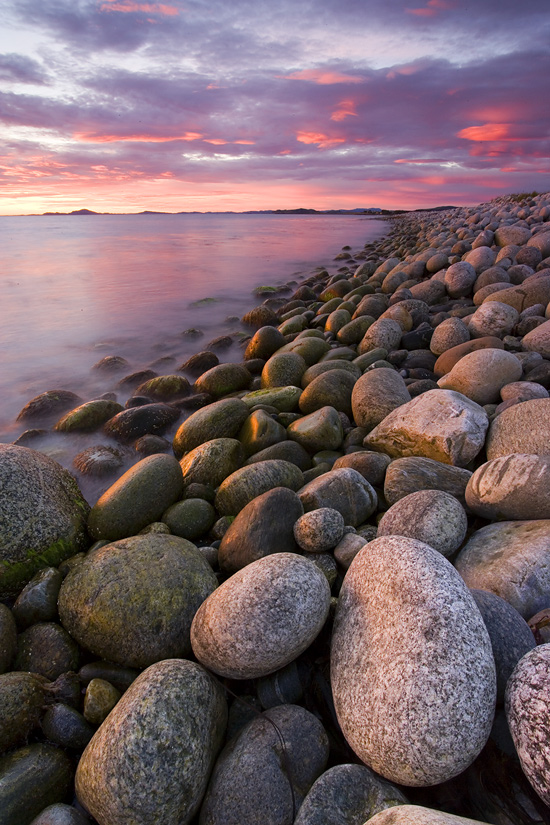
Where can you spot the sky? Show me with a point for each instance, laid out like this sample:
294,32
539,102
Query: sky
231,105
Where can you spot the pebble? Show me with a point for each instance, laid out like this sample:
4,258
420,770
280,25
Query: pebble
319,530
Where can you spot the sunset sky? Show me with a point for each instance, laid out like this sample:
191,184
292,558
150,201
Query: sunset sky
120,106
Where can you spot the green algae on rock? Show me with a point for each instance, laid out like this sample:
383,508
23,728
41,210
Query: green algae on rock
42,516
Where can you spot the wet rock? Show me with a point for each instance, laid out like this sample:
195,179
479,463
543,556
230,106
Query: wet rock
222,419
263,527
165,388
49,404
21,706
238,489
439,424
152,757
8,638
151,445
98,461
344,490
349,794
47,649
37,602
260,430
200,362
283,369
264,343
259,317
60,814
285,450
431,516
190,519
135,378
133,601
99,700
137,498
264,773
319,430
32,778
262,617
331,388
88,417
408,730
131,424
66,727
375,395
42,516
511,636
311,349
284,399
528,715
511,559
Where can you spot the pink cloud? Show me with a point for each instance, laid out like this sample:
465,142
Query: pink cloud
432,8
143,138
323,77
346,109
127,6
322,141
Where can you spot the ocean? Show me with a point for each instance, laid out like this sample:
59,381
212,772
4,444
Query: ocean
74,289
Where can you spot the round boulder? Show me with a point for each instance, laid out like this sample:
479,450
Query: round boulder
481,375
376,394
151,759
42,516
515,486
431,516
245,484
522,428
344,490
133,601
429,724
262,617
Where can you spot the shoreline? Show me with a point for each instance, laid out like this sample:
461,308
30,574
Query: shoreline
366,449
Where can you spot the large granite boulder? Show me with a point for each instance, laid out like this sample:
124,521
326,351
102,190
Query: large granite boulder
523,428
403,609
42,516
151,759
439,424
515,486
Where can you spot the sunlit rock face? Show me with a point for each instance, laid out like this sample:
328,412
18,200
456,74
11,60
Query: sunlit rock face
440,424
412,670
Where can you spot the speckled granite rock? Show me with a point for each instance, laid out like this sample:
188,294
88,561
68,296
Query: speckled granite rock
418,815
42,516
347,795
133,601
431,516
511,559
515,487
408,729
238,489
262,617
264,526
151,759
319,530
481,375
376,394
137,498
439,424
528,715
251,782
523,428
511,637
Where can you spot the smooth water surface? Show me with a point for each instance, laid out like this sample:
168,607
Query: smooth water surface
76,288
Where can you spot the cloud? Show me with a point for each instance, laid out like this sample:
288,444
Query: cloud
18,68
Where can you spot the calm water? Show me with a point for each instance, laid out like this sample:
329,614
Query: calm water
74,289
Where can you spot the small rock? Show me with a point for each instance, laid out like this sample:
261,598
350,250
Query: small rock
319,530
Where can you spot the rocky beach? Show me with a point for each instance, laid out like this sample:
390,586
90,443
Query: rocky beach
315,588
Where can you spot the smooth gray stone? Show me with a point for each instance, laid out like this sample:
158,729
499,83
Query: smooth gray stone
133,601
42,516
523,428
37,602
212,461
137,498
376,394
430,723
347,795
60,814
263,527
511,559
151,758
439,424
514,487
344,490
46,648
150,419
528,715
510,635
431,516
263,774
262,617
418,815
407,475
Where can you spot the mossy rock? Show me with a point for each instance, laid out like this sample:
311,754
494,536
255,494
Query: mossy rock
49,404
32,778
137,498
133,601
223,379
190,519
88,417
42,516
150,419
311,349
259,431
211,462
285,399
165,388
222,419
320,430
245,484
21,706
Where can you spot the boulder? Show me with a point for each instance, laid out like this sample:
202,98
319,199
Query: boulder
211,462
522,428
413,473
245,484
222,419
418,815
376,394
429,724
344,490
42,516
431,516
481,375
513,487
262,617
